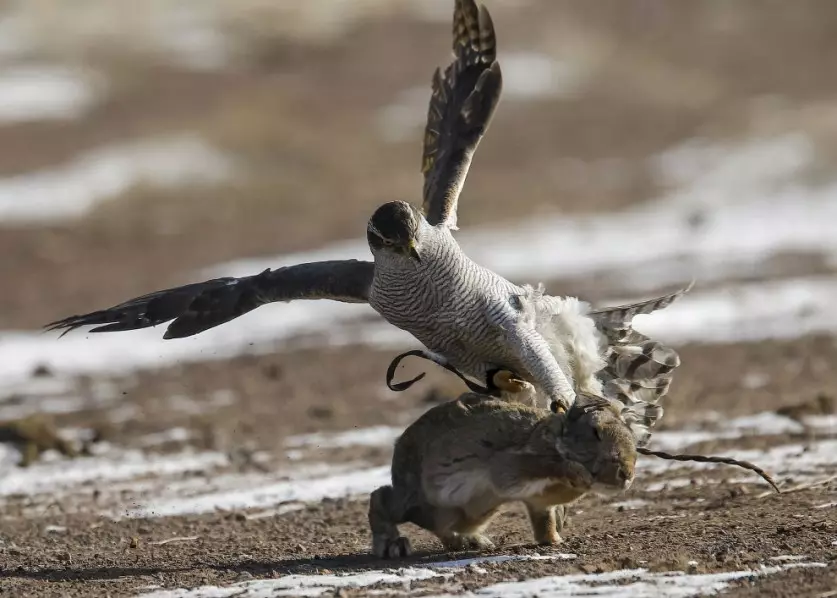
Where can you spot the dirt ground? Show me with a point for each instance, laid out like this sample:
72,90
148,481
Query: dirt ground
723,521
303,120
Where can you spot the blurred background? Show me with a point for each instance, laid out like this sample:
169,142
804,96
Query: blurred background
637,145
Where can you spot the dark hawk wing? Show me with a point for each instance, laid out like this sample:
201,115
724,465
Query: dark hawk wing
461,107
203,305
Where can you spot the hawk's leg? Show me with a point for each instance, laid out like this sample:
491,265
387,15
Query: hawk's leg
508,381
512,387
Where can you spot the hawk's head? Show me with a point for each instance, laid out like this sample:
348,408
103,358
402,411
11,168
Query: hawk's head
394,227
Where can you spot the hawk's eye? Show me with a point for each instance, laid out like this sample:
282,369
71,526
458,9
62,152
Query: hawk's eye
387,242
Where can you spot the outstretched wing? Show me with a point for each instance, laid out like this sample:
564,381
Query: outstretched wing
203,305
461,107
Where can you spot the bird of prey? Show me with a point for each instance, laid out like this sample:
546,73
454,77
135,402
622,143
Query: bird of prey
420,280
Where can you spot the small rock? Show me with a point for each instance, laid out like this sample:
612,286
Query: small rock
41,370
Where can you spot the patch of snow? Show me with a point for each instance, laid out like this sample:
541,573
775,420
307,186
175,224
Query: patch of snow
280,510
31,93
36,385
797,460
407,114
171,435
789,558
24,407
827,505
73,189
533,75
269,493
500,558
303,585
52,476
677,440
55,529
626,583
374,436
764,423
630,505
821,423
754,380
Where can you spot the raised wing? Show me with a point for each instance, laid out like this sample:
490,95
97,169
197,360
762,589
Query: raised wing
203,305
461,107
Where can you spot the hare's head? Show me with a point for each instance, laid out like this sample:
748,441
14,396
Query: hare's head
594,434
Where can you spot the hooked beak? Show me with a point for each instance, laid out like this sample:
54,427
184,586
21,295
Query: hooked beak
413,252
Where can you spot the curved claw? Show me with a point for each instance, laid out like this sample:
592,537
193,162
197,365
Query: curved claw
508,381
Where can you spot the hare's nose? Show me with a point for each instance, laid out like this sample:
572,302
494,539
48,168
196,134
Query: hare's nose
624,476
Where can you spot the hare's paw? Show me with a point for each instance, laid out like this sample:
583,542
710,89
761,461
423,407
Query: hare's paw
461,542
387,547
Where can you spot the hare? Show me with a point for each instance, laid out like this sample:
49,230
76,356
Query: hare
461,461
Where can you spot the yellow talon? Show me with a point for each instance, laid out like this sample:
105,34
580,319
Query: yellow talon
557,407
506,380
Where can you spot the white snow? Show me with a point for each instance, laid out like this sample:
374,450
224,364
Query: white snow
801,462
626,583
534,75
374,436
303,585
501,558
74,188
633,583
29,93
630,504
269,493
54,475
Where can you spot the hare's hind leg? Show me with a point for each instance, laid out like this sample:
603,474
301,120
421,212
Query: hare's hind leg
459,529
386,511
547,522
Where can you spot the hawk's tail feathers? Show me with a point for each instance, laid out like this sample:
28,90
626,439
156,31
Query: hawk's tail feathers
638,370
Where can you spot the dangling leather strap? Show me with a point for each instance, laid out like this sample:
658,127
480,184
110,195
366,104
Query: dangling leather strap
400,386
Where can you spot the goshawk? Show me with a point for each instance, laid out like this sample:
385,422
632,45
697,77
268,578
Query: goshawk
420,280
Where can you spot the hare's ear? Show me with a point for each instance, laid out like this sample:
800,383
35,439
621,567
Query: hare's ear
585,403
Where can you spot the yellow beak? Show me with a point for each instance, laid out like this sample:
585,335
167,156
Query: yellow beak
414,252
